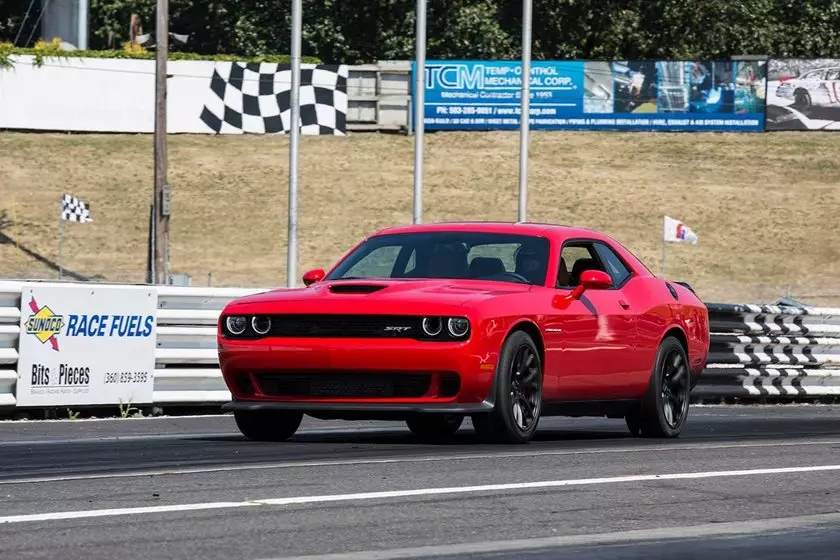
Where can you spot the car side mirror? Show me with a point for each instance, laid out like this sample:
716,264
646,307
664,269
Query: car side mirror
589,280
313,276
595,280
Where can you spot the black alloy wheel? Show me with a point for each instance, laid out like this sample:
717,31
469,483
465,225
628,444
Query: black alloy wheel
664,410
518,403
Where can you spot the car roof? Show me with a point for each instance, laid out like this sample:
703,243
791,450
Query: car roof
526,228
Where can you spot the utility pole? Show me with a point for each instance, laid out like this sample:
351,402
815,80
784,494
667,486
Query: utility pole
161,191
525,113
419,103
294,144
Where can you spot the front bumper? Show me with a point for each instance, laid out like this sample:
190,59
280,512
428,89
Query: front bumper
357,374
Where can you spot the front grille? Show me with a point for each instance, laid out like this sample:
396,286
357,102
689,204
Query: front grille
346,326
345,385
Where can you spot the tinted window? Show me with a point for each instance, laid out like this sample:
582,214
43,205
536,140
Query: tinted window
574,260
449,254
615,268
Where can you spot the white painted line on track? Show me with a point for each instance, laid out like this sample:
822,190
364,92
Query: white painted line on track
386,495
734,528
418,459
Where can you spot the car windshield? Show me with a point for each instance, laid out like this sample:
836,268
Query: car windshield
448,254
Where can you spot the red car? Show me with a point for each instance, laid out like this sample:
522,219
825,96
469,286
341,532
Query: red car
501,322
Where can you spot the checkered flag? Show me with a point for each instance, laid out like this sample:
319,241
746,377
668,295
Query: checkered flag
256,98
75,210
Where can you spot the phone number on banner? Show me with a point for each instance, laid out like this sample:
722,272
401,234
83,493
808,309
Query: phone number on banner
127,377
484,110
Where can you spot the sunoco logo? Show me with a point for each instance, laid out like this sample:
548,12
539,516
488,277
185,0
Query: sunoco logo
44,324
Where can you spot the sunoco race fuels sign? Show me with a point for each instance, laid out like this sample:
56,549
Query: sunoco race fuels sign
86,345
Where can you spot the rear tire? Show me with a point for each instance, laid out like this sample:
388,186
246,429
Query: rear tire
518,395
664,410
268,425
434,427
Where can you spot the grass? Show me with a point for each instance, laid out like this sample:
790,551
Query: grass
765,206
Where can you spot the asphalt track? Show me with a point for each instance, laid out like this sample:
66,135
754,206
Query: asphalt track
742,482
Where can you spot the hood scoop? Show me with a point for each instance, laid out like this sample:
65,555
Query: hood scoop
355,288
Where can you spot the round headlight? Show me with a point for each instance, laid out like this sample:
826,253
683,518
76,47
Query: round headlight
236,324
261,324
432,325
458,326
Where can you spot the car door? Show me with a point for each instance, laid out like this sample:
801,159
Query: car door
592,339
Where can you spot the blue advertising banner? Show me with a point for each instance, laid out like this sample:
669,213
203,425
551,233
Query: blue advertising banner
585,95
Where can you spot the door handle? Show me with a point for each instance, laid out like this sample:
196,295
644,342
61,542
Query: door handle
623,304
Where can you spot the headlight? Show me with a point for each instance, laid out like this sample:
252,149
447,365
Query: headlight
236,324
458,326
432,325
261,324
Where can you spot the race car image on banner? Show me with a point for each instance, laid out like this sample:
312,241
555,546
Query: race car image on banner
803,94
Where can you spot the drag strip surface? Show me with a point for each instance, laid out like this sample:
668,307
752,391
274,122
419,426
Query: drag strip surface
190,487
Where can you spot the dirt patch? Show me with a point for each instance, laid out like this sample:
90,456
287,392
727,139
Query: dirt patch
764,205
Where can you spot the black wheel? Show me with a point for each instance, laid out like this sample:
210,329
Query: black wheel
431,427
664,409
519,376
267,425
802,99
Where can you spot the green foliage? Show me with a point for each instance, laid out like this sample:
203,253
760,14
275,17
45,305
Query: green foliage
7,51
368,30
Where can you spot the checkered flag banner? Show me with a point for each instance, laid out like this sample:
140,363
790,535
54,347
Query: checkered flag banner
256,98
74,210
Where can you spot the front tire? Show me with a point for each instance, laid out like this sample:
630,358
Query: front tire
268,425
518,402
434,427
664,410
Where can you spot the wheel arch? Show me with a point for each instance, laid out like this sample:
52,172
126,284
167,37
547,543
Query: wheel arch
677,333
531,329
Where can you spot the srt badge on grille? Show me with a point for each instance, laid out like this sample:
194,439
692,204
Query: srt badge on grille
397,329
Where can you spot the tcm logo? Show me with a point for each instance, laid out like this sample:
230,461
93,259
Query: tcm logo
44,324
455,76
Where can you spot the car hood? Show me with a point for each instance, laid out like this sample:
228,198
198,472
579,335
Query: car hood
376,296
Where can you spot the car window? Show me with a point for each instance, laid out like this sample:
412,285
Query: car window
833,75
379,263
504,251
478,255
615,268
574,260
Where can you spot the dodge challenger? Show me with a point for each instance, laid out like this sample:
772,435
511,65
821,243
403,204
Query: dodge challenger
502,322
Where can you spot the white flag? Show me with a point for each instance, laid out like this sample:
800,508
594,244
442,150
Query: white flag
678,232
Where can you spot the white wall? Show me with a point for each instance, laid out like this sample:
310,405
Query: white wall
117,95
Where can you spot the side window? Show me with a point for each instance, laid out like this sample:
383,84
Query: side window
615,268
574,260
379,263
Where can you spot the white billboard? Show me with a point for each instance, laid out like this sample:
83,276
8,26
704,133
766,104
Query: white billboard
86,345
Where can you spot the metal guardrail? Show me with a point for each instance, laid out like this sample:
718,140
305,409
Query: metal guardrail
768,352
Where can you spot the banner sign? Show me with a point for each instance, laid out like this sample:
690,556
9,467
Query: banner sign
83,345
803,94
583,95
